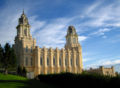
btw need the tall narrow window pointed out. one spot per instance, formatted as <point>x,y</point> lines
<point>66,61</point>
<point>31,61</point>
<point>74,40</point>
<point>31,49</point>
<point>60,61</point>
<point>47,61</point>
<point>53,60</point>
<point>26,48</point>
<point>26,61</point>
<point>25,31</point>
<point>77,61</point>
<point>71,61</point>
<point>41,61</point>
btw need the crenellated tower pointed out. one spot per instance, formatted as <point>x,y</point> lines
<point>72,39</point>
<point>73,45</point>
<point>24,43</point>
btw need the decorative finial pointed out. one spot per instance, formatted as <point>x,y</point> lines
<point>23,11</point>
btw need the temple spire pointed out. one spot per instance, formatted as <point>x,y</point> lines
<point>23,11</point>
<point>23,19</point>
<point>72,38</point>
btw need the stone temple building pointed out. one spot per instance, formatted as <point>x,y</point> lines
<point>46,60</point>
<point>103,71</point>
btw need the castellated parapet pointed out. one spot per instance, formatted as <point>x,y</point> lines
<point>49,61</point>
<point>46,60</point>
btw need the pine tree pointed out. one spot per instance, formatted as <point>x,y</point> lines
<point>12,58</point>
<point>24,71</point>
<point>19,70</point>
<point>9,58</point>
<point>1,55</point>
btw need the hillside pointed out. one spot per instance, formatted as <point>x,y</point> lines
<point>13,81</point>
<point>11,77</point>
<point>63,80</point>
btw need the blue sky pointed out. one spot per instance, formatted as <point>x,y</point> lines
<point>97,23</point>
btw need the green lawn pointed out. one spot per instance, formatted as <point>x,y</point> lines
<point>13,81</point>
<point>11,77</point>
<point>11,85</point>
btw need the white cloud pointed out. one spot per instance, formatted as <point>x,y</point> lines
<point>53,34</point>
<point>82,38</point>
<point>102,15</point>
<point>101,32</point>
<point>102,62</point>
<point>8,28</point>
<point>36,25</point>
<point>110,62</point>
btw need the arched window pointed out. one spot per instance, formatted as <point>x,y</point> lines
<point>26,48</point>
<point>41,61</point>
<point>53,60</point>
<point>60,61</point>
<point>31,49</point>
<point>65,61</point>
<point>31,61</point>
<point>25,31</point>
<point>47,61</point>
<point>74,40</point>
<point>77,61</point>
<point>26,61</point>
<point>71,61</point>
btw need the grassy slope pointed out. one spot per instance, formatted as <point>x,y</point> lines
<point>13,81</point>
<point>11,77</point>
<point>59,81</point>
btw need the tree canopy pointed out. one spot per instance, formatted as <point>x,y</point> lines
<point>7,57</point>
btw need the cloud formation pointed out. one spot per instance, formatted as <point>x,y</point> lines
<point>49,25</point>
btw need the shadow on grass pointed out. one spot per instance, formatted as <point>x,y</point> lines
<point>25,84</point>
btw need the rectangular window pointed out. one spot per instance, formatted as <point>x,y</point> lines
<point>47,61</point>
<point>26,48</point>
<point>76,61</point>
<point>31,61</point>
<point>65,61</point>
<point>41,61</point>
<point>60,61</point>
<point>71,61</point>
<point>53,60</point>
<point>31,49</point>
<point>26,61</point>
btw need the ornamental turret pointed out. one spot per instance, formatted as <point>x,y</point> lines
<point>72,39</point>
<point>23,28</point>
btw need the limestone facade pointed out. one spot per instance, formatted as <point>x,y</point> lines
<point>47,60</point>
<point>103,71</point>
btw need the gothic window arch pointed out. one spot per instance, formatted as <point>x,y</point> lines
<point>71,60</point>
<point>26,61</point>
<point>25,31</point>
<point>31,49</point>
<point>74,40</point>
<point>69,40</point>
<point>18,31</point>
<point>26,49</point>
<point>60,61</point>
<point>47,61</point>
<point>65,61</point>
<point>41,60</point>
<point>31,61</point>
<point>77,61</point>
<point>54,60</point>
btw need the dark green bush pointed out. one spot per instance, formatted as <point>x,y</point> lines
<point>79,80</point>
